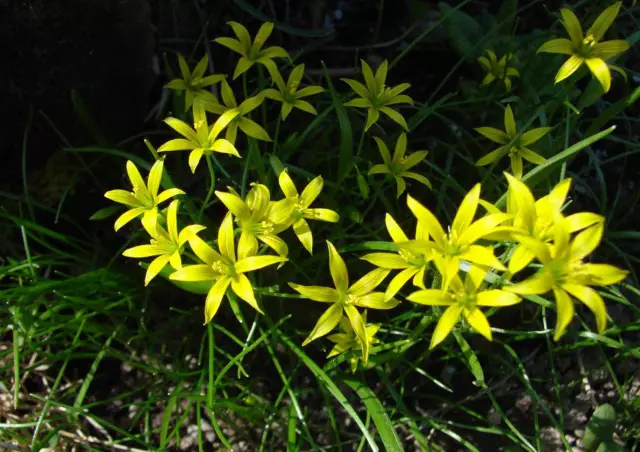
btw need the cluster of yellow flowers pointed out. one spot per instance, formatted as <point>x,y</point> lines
<point>461,261</point>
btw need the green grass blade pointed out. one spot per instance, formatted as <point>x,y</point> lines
<point>376,409</point>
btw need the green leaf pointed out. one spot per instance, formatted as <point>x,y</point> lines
<point>464,31</point>
<point>333,389</point>
<point>104,213</point>
<point>600,427</point>
<point>506,16</point>
<point>612,110</point>
<point>346,135</point>
<point>87,119</point>
<point>379,415</point>
<point>609,446</point>
<point>472,359</point>
<point>363,186</point>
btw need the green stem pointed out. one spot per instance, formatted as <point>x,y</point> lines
<point>275,136</point>
<point>211,186</point>
<point>563,168</point>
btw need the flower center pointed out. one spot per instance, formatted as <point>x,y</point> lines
<point>465,299</point>
<point>220,267</point>
<point>587,45</point>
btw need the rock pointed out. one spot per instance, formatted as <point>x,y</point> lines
<point>551,439</point>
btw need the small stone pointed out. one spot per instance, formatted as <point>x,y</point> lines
<point>523,403</point>
<point>494,417</point>
<point>575,419</point>
<point>551,439</point>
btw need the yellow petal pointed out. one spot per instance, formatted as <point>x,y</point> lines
<point>386,260</point>
<point>445,324</point>
<point>372,116</point>
<point>381,75</point>
<point>368,282</point>
<point>418,177</point>
<point>509,122</point>
<point>357,87</point>
<point>321,215</point>
<point>247,245</point>
<point>263,34</point>
<point>230,43</point>
<point>493,134</point>
<point>520,258</point>
<point>538,248</point>
<point>516,165</point>
<point>428,220</point>
<point>482,255</point>
<point>496,298</point>
<point>303,232</point>
<point>142,251</point>
<point>582,220</point>
<point>538,284</point>
<point>523,198</point>
<point>241,286</point>
<point>591,300</point>
<point>600,70</point>
<point>531,156</point>
<point>481,228</point>
<point>533,135</point>
<point>395,116</point>
<point>431,297</point>
<point>155,267</point>
<point>609,49</point>
<point>493,156</point>
<point>168,194</point>
<point>565,311</point>
<point>569,67</point>
<point>311,191</point>
<point>604,21</point>
<point>223,146</point>
<point>135,178</point>
<point>401,186</point>
<point>603,274</point>
<point>466,211</point>
<point>253,263</point>
<point>563,46</point>
<point>286,185</point>
<point>572,25</point>
<point>275,243</point>
<point>360,328</point>
<point>214,298</point>
<point>376,300</point>
<point>123,197</point>
<point>172,221</point>
<point>478,322</point>
<point>400,149</point>
<point>586,241</point>
<point>368,77</point>
<point>204,251</point>
<point>194,273</point>
<point>225,238</point>
<point>155,177</point>
<point>327,322</point>
<point>128,216</point>
<point>398,282</point>
<point>182,128</point>
<point>317,293</point>
<point>187,232</point>
<point>235,204</point>
<point>384,151</point>
<point>338,269</point>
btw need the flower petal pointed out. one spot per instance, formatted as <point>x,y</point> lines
<point>241,286</point>
<point>311,191</point>
<point>303,232</point>
<point>322,215</point>
<point>520,258</point>
<point>538,284</point>
<point>372,116</point>
<point>156,267</point>
<point>572,25</point>
<point>398,282</point>
<point>533,135</point>
<point>604,21</point>
<point>428,220</point>
<point>445,324</point>
<point>123,197</point>
<point>168,194</point>
<point>252,263</point>
<point>230,43</point>
<point>432,297</point>
<point>226,243</point>
<point>376,300</point>
<point>509,122</point>
<point>591,300</point>
<point>142,251</point>
<point>384,151</point>
<point>495,135</point>
<point>493,156</point>
<point>569,67</point>
<point>565,311</point>
<point>317,293</point>
<point>395,231</point>
<point>479,322</point>
<point>531,156</point>
<point>600,70</point>
<point>194,273</point>
<point>253,129</point>
<point>286,185</point>
<point>214,298</point>
<point>204,251</point>
<point>496,298</point>
<point>360,328</point>
<point>235,204</point>
<point>466,211</point>
<point>563,46</point>
<point>386,260</point>
<point>247,245</point>
<point>338,269</point>
<point>482,255</point>
<point>224,146</point>
<point>179,144</point>
<point>586,241</point>
<point>395,116</point>
<point>582,220</point>
<point>610,49</point>
<point>275,243</point>
<point>128,216</point>
<point>357,87</point>
<point>603,274</point>
<point>516,165</point>
<point>326,323</point>
<point>182,128</point>
<point>368,282</point>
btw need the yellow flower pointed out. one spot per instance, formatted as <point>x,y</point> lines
<point>224,268</point>
<point>348,340</point>
<point>240,119</point>
<point>536,219</point>
<point>144,198</point>
<point>463,299</point>
<point>301,210</point>
<point>459,242</point>
<point>412,263</point>
<point>587,49</point>
<point>289,94</point>
<point>201,140</point>
<point>565,273</point>
<point>517,150</point>
<point>166,244</point>
<point>193,83</point>
<point>377,97</point>
<point>252,53</point>
<point>345,298</point>
<point>259,219</point>
<point>498,69</point>
<point>399,165</point>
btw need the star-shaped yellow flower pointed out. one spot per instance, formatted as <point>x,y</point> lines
<point>588,48</point>
<point>194,83</point>
<point>399,165</point>
<point>498,69</point>
<point>518,149</point>
<point>289,94</point>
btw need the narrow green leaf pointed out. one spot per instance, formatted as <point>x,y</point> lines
<point>379,415</point>
<point>472,360</point>
<point>600,427</point>
<point>104,213</point>
<point>333,388</point>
